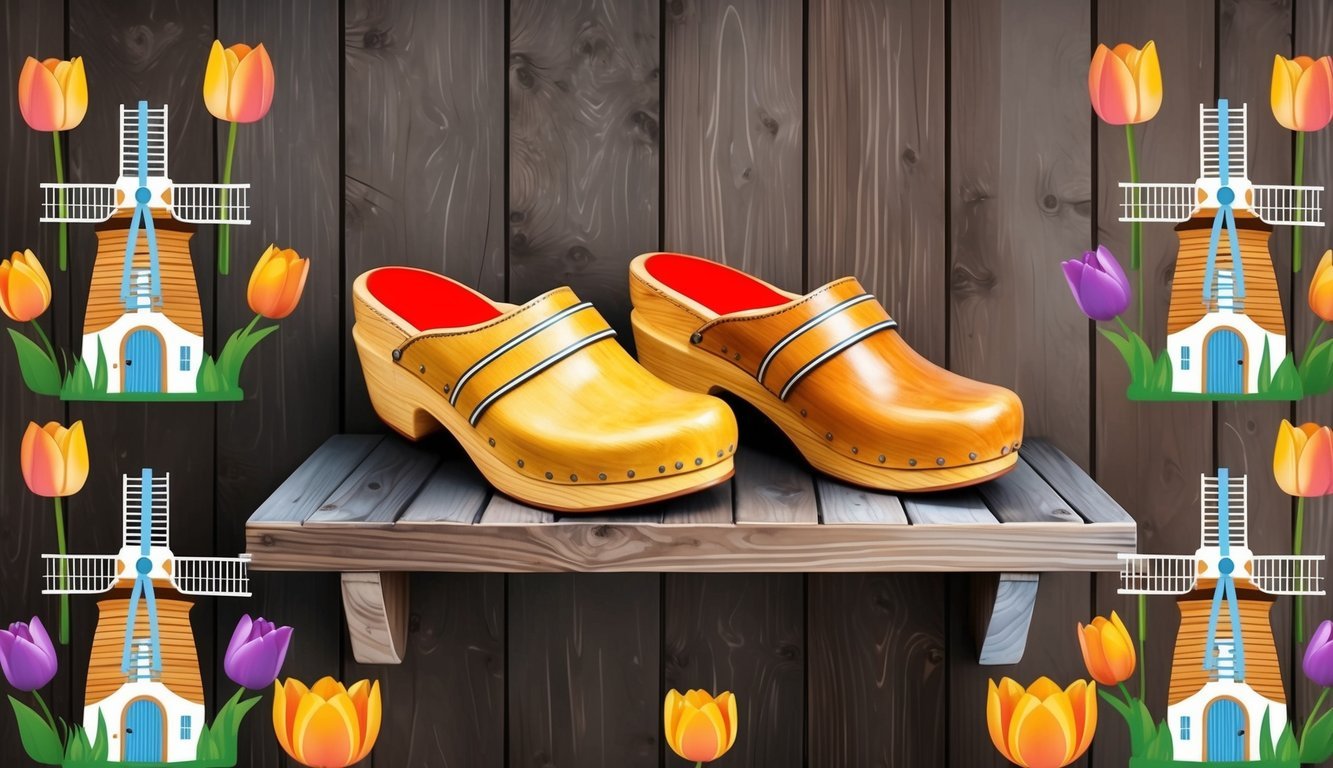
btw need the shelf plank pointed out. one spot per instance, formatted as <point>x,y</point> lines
<point>306,489</point>
<point>843,503</point>
<point>380,487</point>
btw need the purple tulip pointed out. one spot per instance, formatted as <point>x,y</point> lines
<point>256,652</point>
<point>27,656</point>
<point>1099,284</point>
<point>1318,662</point>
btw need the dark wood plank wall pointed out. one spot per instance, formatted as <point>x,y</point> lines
<point>941,151</point>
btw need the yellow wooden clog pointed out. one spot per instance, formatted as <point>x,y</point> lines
<point>829,368</point>
<point>548,406</point>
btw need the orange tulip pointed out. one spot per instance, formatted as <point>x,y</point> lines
<point>53,94</point>
<point>1108,650</point>
<point>327,725</point>
<point>238,83</point>
<point>1125,83</point>
<point>1321,289</point>
<point>699,727</point>
<point>54,459</point>
<point>1303,459</point>
<point>25,290</point>
<point>1302,92</point>
<point>1042,726</point>
<point>277,282</point>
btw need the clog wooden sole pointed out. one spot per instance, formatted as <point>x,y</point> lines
<point>873,414</point>
<point>550,409</point>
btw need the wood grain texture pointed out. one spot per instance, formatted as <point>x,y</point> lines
<point>743,633</point>
<point>584,147</point>
<point>876,676</point>
<point>842,503</point>
<point>380,488</point>
<point>584,656</point>
<point>423,115</point>
<point>771,487</point>
<point>376,607</point>
<point>1002,606</point>
<point>876,160</point>
<point>733,149</point>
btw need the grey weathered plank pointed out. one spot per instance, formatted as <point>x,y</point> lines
<point>584,147</point>
<point>733,147</point>
<point>772,489</point>
<point>1073,484</point>
<point>713,505</point>
<point>1002,607</point>
<point>843,503</point>
<point>1021,496</point>
<point>454,493</point>
<point>380,487</point>
<point>315,480</point>
<point>949,508</point>
<point>502,510</point>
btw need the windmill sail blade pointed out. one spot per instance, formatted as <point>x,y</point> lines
<point>1288,574</point>
<point>1158,202</point>
<point>1294,206</point>
<point>216,576</point>
<point>1157,574</point>
<point>83,203</point>
<point>84,574</point>
<point>203,203</point>
<point>1210,133</point>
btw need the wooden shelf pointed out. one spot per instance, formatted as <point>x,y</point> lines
<point>370,507</point>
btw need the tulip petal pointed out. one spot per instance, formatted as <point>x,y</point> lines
<point>726,704</point>
<point>997,720</point>
<point>1083,700</point>
<point>40,100</point>
<point>326,688</point>
<point>1094,655</point>
<point>1315,467</point>
<point>1286,457</point>
<point>1100,296</point>
<point>371,717</point>
<point>325,734</point>
<point>41,462</point>
<point>701,734</point>
<point>75,88</point>
<point>251,87</point>
<point>27,292</point>
<point>671,712</point>
<point>239,635</point>
<point>1313,107</point>
<point>1119,95</point>
<point>1044,687</point>
<point>286,698</point>
<point>76,461</point>
<point>1095,77</point>
<point>217,82</point>
<point>1148,77</point>
<point>1044,735</point>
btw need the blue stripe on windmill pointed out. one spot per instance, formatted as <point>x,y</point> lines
<point>1224,594</point>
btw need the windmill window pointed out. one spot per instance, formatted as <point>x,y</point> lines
<point>1184,728</point>
<point>187,728</point>
<point>1184,358</point>
<point>185,358</point>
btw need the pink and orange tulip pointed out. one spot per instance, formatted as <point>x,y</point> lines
<point>1125,83</point>
<point>238,83</point>
<point>1108,650</point>
<point>54,459</point>
<point>277,282</point>
<point>25,290</point>
<point>1302,92</point>
<point>1041,726</point>
<point>700,727</point>
<point>327,725</point>
<point>53,94</point>
<point>1303,459</point>
<point>1321,289</point>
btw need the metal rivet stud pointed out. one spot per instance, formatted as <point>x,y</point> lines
<point>737,356</point>
<point>724,350</point>
<point>573,478</point>
<point>719,454</point>
<point>446,389</point>
<point>397,355</point>
<point>520,463</point>
<point>661,468</point>
<point>803,413</point>
<point>828,435</point>
<point>696,338</point>
<point>881,458</point>
<point>422,369</point>
<point>601,475</point>
<point>940,461</point>
<point>550,476</point>
<point>972,455</point>
<point>680,465</point>
<point>698,461</point>
<point>911,462</point>
<point>731,447</point>
<point>855,449</point>
<point>629,473</point>
<point>492,442</point>
<point>1004,451</point>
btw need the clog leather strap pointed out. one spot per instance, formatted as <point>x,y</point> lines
<point>780,348</point>
<point>477,367</point>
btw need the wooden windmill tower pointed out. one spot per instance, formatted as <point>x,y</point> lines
<point>1225,673</point>
<point>1224,311</point>
<point>143,673</point>
<point>143,313</point>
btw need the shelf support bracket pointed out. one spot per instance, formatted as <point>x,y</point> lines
<point>1002,606</point>
<point>376,605</point>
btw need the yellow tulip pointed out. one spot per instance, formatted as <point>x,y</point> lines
<point>277,282</point>
<point>1321,289</point>
<point>1042,726</point>
<point>1125,83</point>
<point>327,725</point>
<point>238,82</point>
<point>1303,459</point>
<point>54,459</point>
<point>1302,92</point>
<point>1108,650</point>
<point>53,94</point>
<point>699,727</point>
<point>25,290</point>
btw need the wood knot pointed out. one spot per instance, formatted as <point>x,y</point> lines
<point>521,66</point>
<point>909,156</point>
<point>1050,203</point>
<point>788,652</point>
<point>374,485</point>
<point>266,540</point>
<point>646,123</point>
<point>974,279</point>
<point>579,257</point>
<point>375,38</point>
<point>974,193</point>
<point>676,7</point>
<point>516,217</point>
<point>519,240</point>
<point>770,124</point>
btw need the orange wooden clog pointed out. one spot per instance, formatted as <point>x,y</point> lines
<point>548,406</point>
<point>829,368</point>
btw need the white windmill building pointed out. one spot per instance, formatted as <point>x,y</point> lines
<point>143,315</point>
<point>143,672</point>
<point>1225,674</point>
<point>1224,310</point>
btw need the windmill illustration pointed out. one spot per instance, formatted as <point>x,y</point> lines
<point>143,317</point>
<point>1225,673</point>
<point>1226,310</point>
<point>143,673</point>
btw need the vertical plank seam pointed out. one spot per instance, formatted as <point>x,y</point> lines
<point>65,406</point>
<point>508,150</point>
<point>1294,652</point>
<point>1094,194</point>
<point>947,34</point>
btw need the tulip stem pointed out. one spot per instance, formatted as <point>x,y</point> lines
<point>1143,647</point>
<point>50,719</point>
<point>64,571</point>
<point>1309,721</point>
<point>1300,202</point>
<point>1297,538</point>
<point>1136,228</point>
<point>1318,332</point>
<point>224,230</point>
<point>60,194</point>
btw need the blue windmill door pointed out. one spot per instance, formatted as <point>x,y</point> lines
<point>1224,726</point>
<point>143,361</point>
<point>1226,362</point>
<point>143,731</point>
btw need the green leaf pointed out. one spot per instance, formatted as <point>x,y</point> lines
<point>1317,740</point>
<point>1162,747</point>
<point>39,371</point>
<point>1266,751</point>
<point>1287,380</point>
<point>78,382</point>
<point>40,742</point>
<point>235,352</point>
<point>1287,747</point>
<point>208,380</point>
<point>1316,369</point>
<point>1143,359</point>
<point>100,376</point>
<point>1161,378</point>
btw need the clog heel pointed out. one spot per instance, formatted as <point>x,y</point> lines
<point>829,368</point>
<point>547,405</point>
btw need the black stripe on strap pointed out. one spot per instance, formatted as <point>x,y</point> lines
<point>536,369</point>
<point>803,327</point>
<point>831,351</point>
<point>514,342</point>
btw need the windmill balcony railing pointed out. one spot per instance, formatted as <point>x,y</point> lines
<point>1289,205</point>
<point>1157,574</point>
<point>1288,574</point>
<point>212,575</point>
<point>84,574</point>
<point>83,203</point>
<point>1157,202</point>
<point>203,203</point>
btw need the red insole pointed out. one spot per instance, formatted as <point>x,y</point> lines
<point>716,286</point>
<point>427,300</point>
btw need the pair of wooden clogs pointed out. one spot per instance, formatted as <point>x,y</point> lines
<point>555,413</point>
